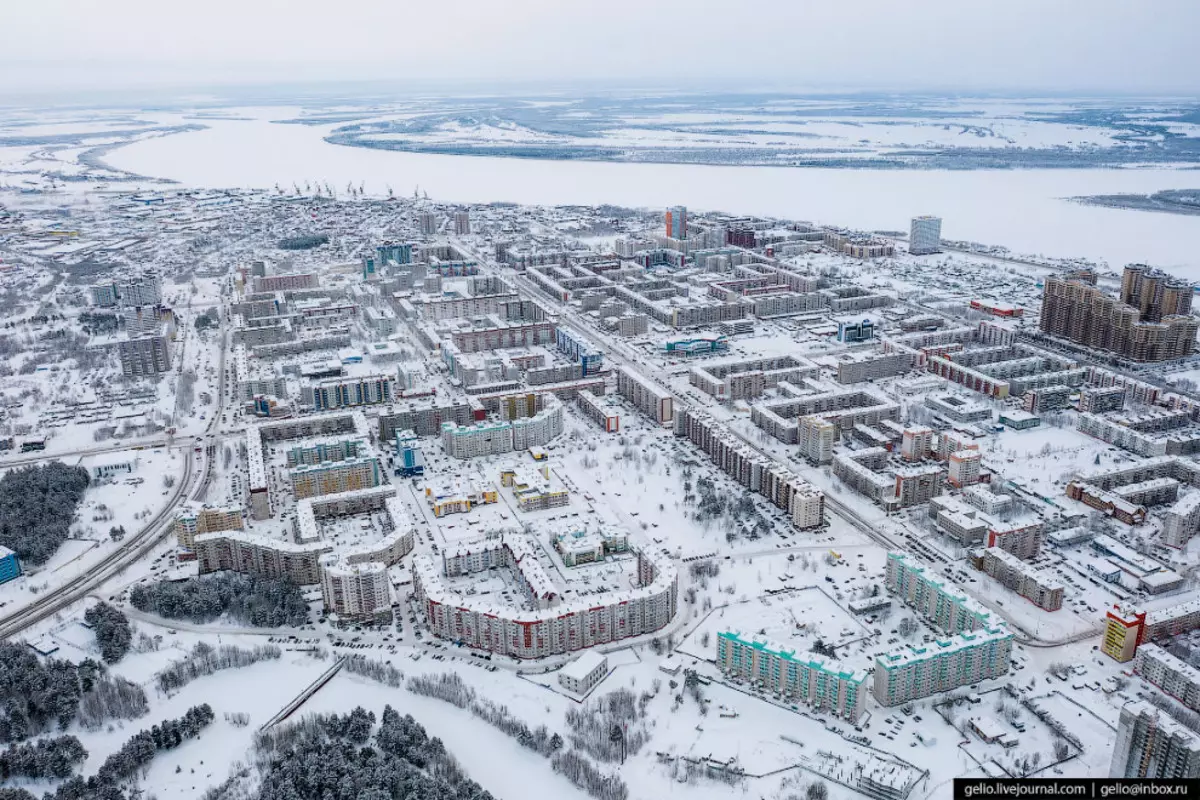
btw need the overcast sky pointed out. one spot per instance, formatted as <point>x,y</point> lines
<point>1136,46</point>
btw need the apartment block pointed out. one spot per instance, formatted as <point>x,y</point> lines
<point>599,410</point>
<point>355,592</point>
<point>145,356</point>
<point>1099,399</point>
<point>1146,324</point>
<point>1033,584</point>
<point>916,444</point>
<point>942,665</point>
<point>748,378</point>
<point>348,392</point>
<point>551,625</point>
<point>821,683</point>
<point>286,282</point>
<point>857,367</point>
<point>193,520</point>
<point>654,402</point>
<point>976,646</point>
<point>802,501</point>
<point>1127,628</point>
<point>1170,674</point>
<point>925,235</point>
<point>1151,744</point>
<point>817,437</point>
<point>964,468</point>
<point>491,438</point>
<point>332,477</point>
<point>258,555</point>
<point>1022,539</point>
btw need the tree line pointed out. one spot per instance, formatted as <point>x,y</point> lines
<point>37,505</point>
<point>204,659</point>
<point>248,599</point>
<point>37,695</point>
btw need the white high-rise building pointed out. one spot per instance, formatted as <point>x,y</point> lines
<point>354,591</point>
<point>462,223</point>
<point>925,235</point>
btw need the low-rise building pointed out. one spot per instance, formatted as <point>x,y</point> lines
<point>584,673</point>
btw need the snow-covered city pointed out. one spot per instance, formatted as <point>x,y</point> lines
<point>378,462</point>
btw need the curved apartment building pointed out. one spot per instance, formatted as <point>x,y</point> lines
<point>549,625</point>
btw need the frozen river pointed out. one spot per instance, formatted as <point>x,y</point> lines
<point>1020,209</point>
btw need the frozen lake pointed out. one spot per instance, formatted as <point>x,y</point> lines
<point>1020,209</point>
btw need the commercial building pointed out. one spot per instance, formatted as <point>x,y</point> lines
<point>10,566</point>
<point>458,497</point>
<point>1033,584</point>
<point>1145,325</point>
<point>822,683</point>
<point>976,645</point>
<point>550,625</point>
<point>1151,744</point>
<point>534,488</point>
<point>958,409</point>
<point>1170,674</point>
<point>410,460</point>
<point>654,402</point>
<point>582,674</point>
<point>925,235</point>
<point>194,519</point>
<point>581,546</point>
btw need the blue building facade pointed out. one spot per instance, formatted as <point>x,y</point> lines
<point>10,567</point>
<point>578,348</point>
<point>410,461</point>
<point>860,331</point>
